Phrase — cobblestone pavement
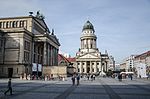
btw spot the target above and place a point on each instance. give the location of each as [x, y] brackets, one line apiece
[101, 88]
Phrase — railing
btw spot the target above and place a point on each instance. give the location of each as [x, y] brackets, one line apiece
[13, 24]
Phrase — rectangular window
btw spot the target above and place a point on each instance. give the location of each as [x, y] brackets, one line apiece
[34, 58]
[88, 63]
[93, 69]
[17, 70]
[78, 63]
[27, 45]
[97, 69]
[26, 51]
[83, 69]
[78, 70]
[82, 63]
[26, 56]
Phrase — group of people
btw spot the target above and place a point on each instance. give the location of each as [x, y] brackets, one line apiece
[120, 77]
[74, 78]
[91, 76]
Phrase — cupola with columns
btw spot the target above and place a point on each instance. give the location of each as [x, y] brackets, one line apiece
[88, 38]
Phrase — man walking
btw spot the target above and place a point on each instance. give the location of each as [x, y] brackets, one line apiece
[9, 87]
[78, 79]
[73, 80]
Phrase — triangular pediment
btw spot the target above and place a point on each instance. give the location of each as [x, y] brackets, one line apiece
[54, 39]
[89, 55]
[42, 22]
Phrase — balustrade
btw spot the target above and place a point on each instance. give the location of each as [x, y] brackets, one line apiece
[13, 24]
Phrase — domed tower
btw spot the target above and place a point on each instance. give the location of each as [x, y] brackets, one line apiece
[88, 57]
[88, 38]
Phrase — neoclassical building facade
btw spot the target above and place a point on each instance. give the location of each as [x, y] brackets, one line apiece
[89, 59]
[26, 46]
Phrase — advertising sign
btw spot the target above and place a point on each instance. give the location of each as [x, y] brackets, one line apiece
[34, 67]
[141, 70]
[40, 67]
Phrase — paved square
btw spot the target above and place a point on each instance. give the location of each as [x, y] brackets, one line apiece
[101, 88]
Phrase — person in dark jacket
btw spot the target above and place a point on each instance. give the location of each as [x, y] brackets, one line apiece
[78, 79]
[9, 87]
[73, 80]
[120, 77]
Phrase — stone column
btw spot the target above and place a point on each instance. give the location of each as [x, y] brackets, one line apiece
[81, 44]
[81, 71]
[21, 54]
[4, 25]
[102, 67]
[10, 24]
[25, 24]
[95, 67]
[94, 46]
[106, 66]
[84, 44]
[90, 67]
[48, 51]
[18, 24]
[44, 54]
[32, 59]
[85, 67]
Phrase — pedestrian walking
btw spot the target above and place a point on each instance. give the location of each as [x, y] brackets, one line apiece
[120, 77]
[9, 87]
[78, 79]
[131, 76]
[91, 77]
[88, 76]
[73, 80]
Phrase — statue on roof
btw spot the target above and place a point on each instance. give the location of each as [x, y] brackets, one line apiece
[52, 32]
[39, 15]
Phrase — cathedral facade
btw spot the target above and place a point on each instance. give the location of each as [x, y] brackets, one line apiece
[89, 59]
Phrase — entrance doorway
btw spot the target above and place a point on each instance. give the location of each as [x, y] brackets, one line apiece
[88, 66]
[10, 72]
[88, 69]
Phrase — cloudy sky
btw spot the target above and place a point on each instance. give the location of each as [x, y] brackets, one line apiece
[122, 26]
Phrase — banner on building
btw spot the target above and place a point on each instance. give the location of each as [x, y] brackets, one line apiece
[34, 67]
[141, 70]
[40, 67]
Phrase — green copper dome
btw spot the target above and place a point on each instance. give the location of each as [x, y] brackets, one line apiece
[88, 25]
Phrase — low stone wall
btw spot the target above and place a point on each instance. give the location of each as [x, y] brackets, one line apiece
[55, 71]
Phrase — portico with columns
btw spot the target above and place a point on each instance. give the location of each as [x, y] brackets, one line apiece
[27, 42]
[89, 59]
